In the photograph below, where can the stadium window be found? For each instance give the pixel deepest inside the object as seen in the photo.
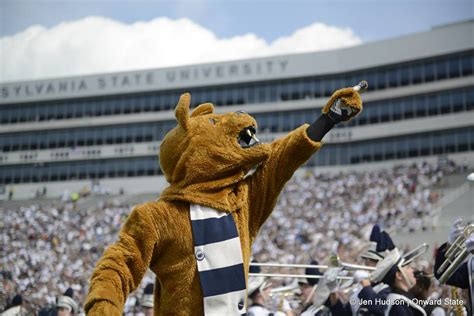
(36, 112)
(317, 88)
(393, 78)
(404, 76)
(108, 107)
(251, 94)
(400, 148)
(417, 74)
(380, 80)
(197, 97)
(385, 110)
(372, 80)
(366, 151)
(429, 71)
(261, 92)
(432, 104)
(134, 104)
(413, 147)
(378, 150)
(272, 94)
(453, 66)
(458, 101)
(441, 72)
(89, 109)
(328, 87)
(69, 110)
(355, 156)
(4, 115)
(450, 143)
(60, 112)
(48, 112)
(466, 65)
(307, 89)
(470, 100)
(437, 142)
(116, 108)
(373, 114)
(425, 145)
(463, 141)
(420, 107)
(339, 83)
(408, 107)
(240, 98)
(103, 106)
(53, 177)
(445, 103)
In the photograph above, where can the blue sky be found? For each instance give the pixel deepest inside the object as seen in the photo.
(48, 39)
(370, 20)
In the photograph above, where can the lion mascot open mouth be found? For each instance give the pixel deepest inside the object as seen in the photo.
(210, 150)
(197, 237)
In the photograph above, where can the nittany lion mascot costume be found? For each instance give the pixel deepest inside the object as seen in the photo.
(224, 183)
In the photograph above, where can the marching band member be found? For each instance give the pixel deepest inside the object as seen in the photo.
(15, 308)
(66, 305)
(308, 288)
(392, 271)
(259, 292)
(463, 277)
(422, 291)
(380, 243)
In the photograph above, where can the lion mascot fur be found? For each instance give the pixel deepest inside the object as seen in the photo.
(205, 164)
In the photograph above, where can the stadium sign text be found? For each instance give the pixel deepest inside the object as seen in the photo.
(158, 79)
(77, 85)
(232, 70)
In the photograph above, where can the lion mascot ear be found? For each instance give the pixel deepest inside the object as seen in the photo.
(203, 109)
(182, 110)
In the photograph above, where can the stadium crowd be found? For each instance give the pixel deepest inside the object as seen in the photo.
(319, 213)
(50, 247)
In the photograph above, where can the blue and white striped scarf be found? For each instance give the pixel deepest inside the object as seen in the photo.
(219, 261)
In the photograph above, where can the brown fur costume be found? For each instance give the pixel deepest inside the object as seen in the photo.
(204, 164)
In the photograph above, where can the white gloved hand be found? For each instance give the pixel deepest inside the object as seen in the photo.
(321, 294)
(286, 306)
(330, 277)
(470, 243)
(455, 231)
(360, 275)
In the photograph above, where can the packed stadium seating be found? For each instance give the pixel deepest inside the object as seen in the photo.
(52, 245)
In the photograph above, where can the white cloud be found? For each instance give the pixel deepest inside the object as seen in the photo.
(97, 45)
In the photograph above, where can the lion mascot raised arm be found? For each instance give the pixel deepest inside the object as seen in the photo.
(224, 183)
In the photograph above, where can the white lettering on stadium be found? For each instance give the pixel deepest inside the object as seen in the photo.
(184, 75)
(238, 69)
(78, 85)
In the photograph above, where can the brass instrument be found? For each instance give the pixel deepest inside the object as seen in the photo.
(415, 253)
(306, 276)
(458, 309)
(455, 255)
(290, 293)
(334, 263)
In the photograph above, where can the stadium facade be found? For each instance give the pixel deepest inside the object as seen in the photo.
(69, 132)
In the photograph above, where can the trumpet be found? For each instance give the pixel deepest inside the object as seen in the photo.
(455, 255)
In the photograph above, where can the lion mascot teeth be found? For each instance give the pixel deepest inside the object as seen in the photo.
(223, 185)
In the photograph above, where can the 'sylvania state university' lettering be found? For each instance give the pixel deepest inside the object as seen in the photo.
(143, 79)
